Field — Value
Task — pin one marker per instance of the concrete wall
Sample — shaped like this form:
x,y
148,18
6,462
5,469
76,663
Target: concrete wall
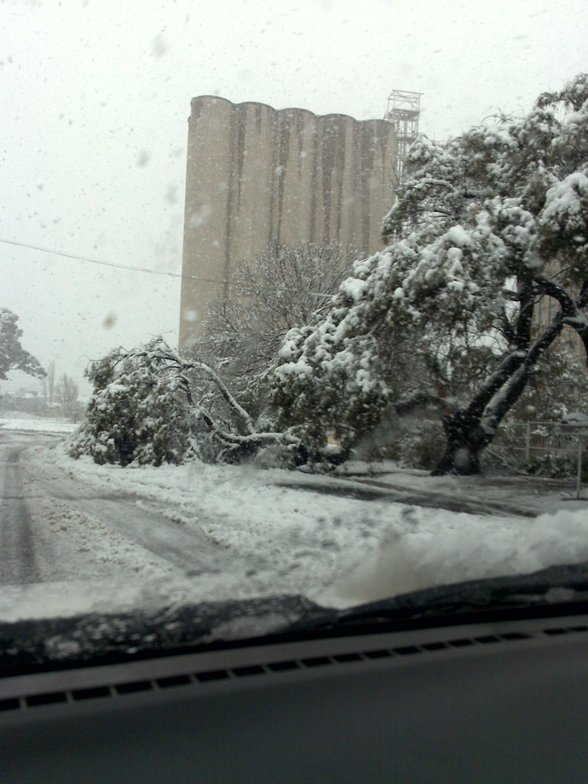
x,y
257,175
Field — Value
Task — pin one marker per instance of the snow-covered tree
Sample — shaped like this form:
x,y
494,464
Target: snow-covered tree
x,y
282,288
138,412
67,392
12,355
151,406
484,227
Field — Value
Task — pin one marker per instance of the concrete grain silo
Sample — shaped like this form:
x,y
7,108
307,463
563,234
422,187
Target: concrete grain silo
x,y
257,175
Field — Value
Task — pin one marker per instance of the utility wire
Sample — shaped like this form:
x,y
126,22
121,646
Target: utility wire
x,y
103,263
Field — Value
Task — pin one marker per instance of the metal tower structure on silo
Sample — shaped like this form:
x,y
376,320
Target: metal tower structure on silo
x,y
404,108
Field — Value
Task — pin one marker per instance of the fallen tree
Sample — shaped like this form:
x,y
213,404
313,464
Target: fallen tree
x,y
150,406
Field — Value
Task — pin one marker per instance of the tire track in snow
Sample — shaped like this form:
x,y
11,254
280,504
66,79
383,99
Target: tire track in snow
x,y
18,562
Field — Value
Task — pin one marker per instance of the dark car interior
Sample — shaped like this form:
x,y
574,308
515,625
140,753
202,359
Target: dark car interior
x,y
499,699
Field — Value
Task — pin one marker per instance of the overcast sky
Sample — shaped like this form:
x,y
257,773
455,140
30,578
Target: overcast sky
x,y
96,94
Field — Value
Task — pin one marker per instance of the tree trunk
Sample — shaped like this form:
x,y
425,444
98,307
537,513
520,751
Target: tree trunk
x,y
465,441
469,432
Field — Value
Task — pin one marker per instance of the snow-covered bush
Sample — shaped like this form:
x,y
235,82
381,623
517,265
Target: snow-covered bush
x,y
554,467
413,441
150,406
420,444
138,412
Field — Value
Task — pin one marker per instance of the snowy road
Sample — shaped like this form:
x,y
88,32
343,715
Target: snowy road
x,y
75,536
17,545
53,526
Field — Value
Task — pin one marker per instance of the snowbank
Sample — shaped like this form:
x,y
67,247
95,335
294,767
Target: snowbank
x,y
448,548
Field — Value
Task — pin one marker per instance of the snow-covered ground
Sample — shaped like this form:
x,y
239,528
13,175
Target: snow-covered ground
x,y
137,536
338,549
511,493
32,423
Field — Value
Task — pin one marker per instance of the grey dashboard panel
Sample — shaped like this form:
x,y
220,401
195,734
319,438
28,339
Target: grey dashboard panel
x,y
506,702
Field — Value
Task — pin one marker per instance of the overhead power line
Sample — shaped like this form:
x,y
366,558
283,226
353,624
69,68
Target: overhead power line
x,y
128,267
103,263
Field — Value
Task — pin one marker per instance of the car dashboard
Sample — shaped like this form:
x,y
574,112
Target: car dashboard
x,y
498,701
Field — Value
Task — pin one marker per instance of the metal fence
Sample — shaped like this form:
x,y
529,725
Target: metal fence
x,y
524,442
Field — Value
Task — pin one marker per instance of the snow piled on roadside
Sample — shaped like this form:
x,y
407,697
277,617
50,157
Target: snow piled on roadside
x,y
276,539
338,551
440,551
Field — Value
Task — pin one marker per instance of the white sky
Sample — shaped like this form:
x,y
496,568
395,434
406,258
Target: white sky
x,y
96,94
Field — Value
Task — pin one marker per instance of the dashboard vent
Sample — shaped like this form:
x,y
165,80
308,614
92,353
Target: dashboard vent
x,y
123,689
91,694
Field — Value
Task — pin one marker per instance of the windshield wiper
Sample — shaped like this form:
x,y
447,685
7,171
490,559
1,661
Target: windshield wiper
x,y
553,587
34,645
106,638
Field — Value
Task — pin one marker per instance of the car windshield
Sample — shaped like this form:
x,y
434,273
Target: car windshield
x,y
294,301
